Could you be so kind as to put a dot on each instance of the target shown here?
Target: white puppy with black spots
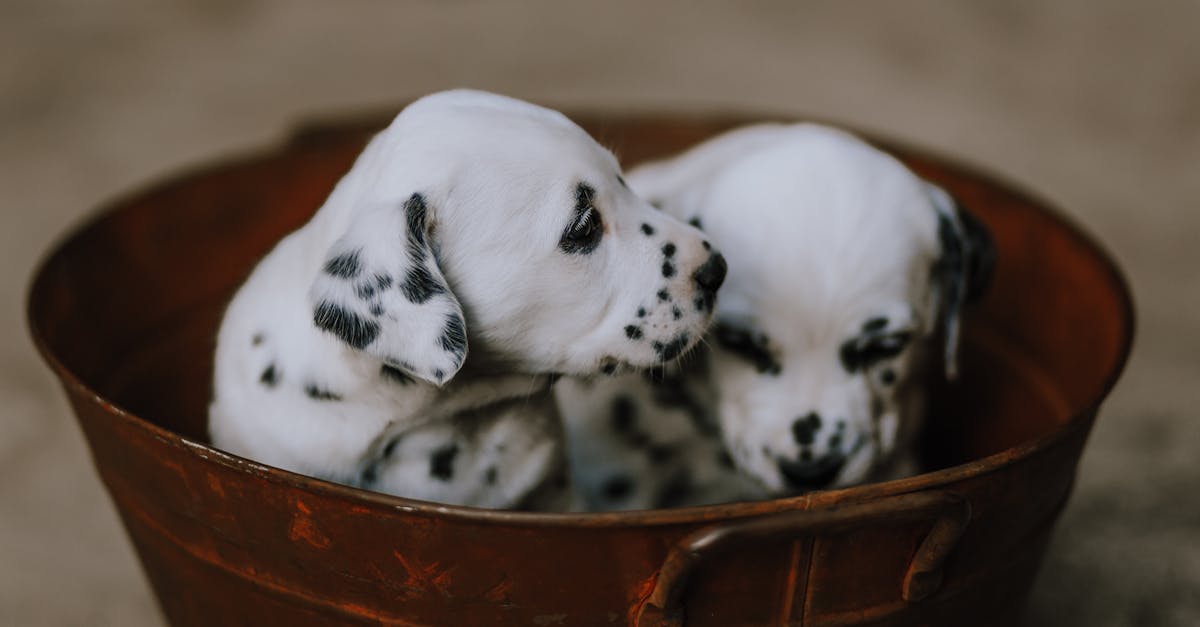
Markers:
(845, 271)
(405, 339)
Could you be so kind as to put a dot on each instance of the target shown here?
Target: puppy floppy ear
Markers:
(380, 291)
(962, 272)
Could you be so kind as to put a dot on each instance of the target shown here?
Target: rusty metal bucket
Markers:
(125, 312)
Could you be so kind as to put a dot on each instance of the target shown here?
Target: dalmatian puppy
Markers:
(846, 272)
(405, 339)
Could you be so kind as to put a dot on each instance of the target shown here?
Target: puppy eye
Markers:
(582, 235)
(748, 345)
(863, 352)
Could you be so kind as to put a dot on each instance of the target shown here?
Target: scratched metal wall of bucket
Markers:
(125, 312)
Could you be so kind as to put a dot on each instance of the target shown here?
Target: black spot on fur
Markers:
(641, 312)
(608, 367)
(706, 245)
(664, 295)
(705, 300)
(695, 221)
(621, 180)
(490, 475)
(344, 266)
(668, 270)
(835, 441)
(676, 313)
(395, 374)
(269, 377)
(806, 454)
(617, 488)
(390, 447)
(671, 349)
(369, 476)
(633, 333)
(454, 338)
(377, 310)
(668, 250)
(888, 376)
(439, 374)
(804, 429)
(647, 229)
(347, 325)
(257, 340)
(624, 415)
(319, 394)
(441, 463)
(419, 284)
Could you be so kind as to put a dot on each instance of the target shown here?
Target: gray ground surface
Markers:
(1094, 104)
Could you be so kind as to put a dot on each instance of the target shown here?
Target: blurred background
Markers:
(1093, 104)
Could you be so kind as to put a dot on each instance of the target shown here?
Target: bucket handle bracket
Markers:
(950, 511)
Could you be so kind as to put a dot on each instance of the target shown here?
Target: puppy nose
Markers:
(804, 429)
(710, 275)
(812, 475)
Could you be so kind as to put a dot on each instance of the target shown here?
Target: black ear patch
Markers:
(963, 271)
(980, 261)
(354, 330)
(454, 338)
(344, 266)
(415, 212)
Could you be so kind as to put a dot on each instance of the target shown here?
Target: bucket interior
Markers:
(130, 304)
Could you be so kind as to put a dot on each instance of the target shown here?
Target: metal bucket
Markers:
(125, 312)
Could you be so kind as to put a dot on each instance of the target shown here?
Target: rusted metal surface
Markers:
(125, 311)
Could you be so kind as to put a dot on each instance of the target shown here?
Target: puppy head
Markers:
(843, 267)
(475, 215)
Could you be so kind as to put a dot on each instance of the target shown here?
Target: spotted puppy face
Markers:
(845, 272)
(480, 220)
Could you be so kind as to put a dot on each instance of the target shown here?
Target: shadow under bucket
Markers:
(126, 309)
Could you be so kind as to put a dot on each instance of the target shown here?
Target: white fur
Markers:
(822, 233)
(495, 181)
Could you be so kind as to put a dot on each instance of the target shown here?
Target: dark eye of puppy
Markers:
(864, 351)
(582, 234)
(748, 345)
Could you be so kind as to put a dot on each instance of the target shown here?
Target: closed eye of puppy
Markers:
(404, 340)
(846, 270)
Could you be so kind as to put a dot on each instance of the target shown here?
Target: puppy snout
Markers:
(811, 475)
(711, 274)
